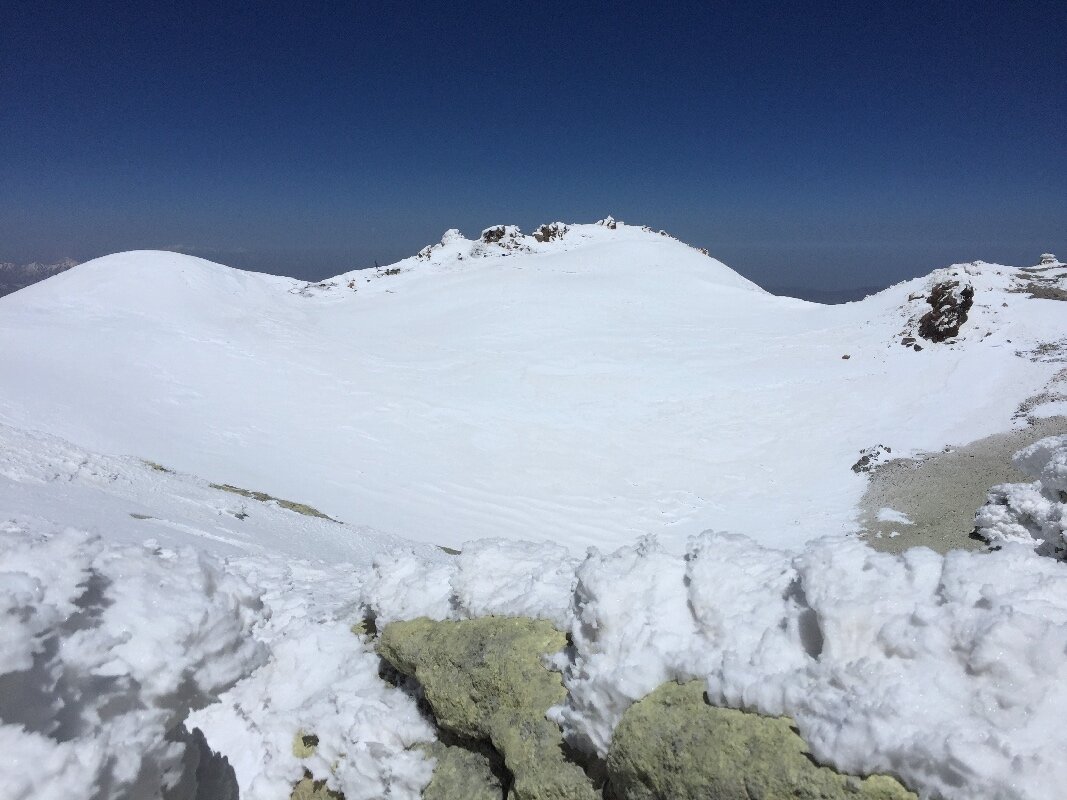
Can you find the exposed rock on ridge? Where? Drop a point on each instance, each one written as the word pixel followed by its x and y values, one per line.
pixel 951 301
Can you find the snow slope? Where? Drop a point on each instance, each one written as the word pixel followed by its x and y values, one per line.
pixel 17 276
pixel 946 671
pixel 579 390
pixel 603 384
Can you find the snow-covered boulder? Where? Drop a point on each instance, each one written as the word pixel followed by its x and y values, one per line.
pixel 1031 513
pixel 104 650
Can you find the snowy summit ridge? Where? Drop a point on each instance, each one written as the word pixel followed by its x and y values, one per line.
pixel 587 382
pixel 616 432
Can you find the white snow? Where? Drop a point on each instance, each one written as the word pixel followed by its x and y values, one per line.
pixel 105 648
pixel 586 390
pixel 1033 514
pixel 946 671
pixel 106 645
pixel 543 406
pixel 892 515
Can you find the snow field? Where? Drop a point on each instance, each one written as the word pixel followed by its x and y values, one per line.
pixel 946 671
pixel 590 389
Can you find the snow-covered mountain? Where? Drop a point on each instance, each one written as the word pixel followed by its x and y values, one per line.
pixel 18 276
pixel 214 483
pixel 586 384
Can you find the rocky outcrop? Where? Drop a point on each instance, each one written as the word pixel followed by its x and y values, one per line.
pixel 672 745
pixel 550 232
pixel 871 457
pixel 484 681
pixel 951 301
pixel 461 774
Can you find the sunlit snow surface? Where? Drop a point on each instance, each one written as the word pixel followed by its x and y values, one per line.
pixel 567 393
pixel 946 671
pixel 588 390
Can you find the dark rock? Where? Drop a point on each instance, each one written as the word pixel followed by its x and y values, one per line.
pixel 550 232
pixel 871 457
pixel 950 302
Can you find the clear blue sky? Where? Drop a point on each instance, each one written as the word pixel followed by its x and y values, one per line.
pixel 823 145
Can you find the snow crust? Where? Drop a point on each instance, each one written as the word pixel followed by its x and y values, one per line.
pixel 946 671
pixel 171 593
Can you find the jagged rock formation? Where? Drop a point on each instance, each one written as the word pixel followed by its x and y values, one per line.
pixel 951 301
pixel 484 680
pixel 550 232
pixel 673 746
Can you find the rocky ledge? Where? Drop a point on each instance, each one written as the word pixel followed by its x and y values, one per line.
pixel 486 686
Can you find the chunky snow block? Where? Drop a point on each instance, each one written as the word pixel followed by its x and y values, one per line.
pixel 673 745
pixel 484 680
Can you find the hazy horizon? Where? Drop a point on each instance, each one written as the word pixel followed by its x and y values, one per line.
pixel 802 145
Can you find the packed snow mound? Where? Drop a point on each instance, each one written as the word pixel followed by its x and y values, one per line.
pixel 131 596
pixel 944 671
pixel 146 282
pixel 1033 514
pixel 588 386
pixel 104 650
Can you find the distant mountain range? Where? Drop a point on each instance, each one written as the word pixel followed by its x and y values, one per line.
pixel 18 276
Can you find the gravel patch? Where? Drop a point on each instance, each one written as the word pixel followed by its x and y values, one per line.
pixel 940 492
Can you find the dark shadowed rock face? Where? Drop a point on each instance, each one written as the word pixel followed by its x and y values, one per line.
pixel 950 302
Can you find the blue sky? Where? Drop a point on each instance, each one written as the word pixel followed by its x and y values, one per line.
pixel 825 145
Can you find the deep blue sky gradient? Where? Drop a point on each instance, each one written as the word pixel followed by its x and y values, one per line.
pixel 826 145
